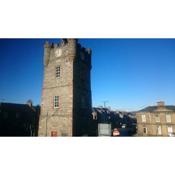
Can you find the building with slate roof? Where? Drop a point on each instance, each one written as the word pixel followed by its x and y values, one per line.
pixel 125 122
pixel 19 119
pixel 156 120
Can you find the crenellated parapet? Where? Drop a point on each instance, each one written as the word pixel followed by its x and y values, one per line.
pixel 67 48
pixel 47 49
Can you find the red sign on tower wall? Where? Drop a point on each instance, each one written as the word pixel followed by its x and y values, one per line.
pixel 54 134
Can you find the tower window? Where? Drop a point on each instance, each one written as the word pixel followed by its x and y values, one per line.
pixel 56 101
pixel 57 71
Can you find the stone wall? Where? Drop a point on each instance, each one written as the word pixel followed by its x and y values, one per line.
pixel 152 125
pixel 72 87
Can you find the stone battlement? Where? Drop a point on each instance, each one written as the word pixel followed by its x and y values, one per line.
pixel 63 43
pixel 70 47
pixel 67 42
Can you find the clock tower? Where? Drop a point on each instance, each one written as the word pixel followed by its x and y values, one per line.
pixel 66 93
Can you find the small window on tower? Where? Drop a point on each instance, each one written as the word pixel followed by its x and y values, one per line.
pixel 57 71
pixel 56 102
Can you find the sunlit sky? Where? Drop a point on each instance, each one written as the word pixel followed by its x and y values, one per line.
pixel 128 74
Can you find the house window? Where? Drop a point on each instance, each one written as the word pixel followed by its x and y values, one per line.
pixel 170 129
pixel 56 101
pixel 143 118
pixel 157 118
pixel 168 118
pixel 57 73
pixel 145 130
pixel 159 130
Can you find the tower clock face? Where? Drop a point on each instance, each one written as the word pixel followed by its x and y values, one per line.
pixel 58 52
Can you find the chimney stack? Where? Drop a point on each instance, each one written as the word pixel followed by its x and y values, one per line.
pixel 29 103
pixel 160 104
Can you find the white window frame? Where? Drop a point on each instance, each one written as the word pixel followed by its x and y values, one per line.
pixel 57 71
pixel 143 116
pixel 157 118
pixel 168 118
pixel 56 102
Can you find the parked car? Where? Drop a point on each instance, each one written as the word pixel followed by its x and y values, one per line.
pixel 171 134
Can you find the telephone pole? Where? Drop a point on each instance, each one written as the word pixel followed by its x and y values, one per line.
pixel 104 103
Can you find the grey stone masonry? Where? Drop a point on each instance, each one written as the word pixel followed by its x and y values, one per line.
pixel 66 94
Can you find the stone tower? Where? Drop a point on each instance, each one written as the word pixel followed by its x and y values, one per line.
pixel 66 95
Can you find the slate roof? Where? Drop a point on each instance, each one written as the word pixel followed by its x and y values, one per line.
pixel 18 119
pixel 17 108
pixel 106 115
pixel 153 108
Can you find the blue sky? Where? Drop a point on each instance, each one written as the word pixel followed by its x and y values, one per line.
pixel 128 73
